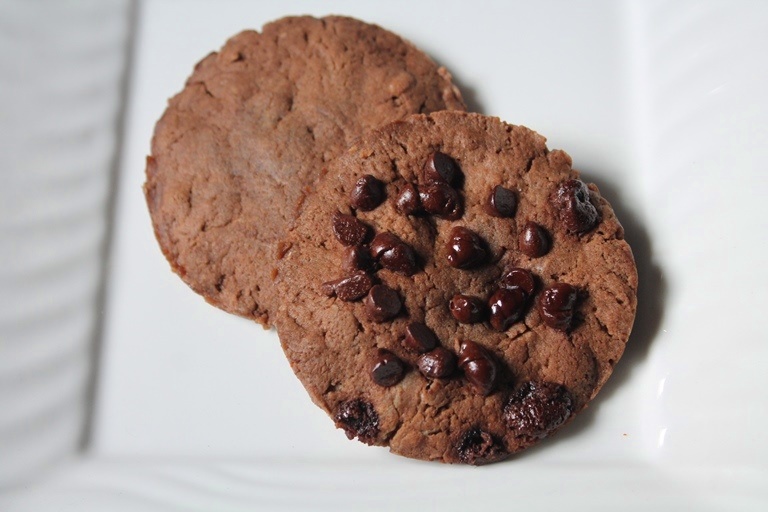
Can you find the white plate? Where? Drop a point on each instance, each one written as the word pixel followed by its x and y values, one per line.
pixel 662 104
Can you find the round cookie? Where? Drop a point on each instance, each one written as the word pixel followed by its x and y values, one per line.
pixel 453 290
pixel 239 147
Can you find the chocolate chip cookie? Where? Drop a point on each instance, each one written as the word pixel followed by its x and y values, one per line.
pixel 454 290
pixel 239 147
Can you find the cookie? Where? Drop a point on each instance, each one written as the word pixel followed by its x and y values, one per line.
pixel 453 290
pixel 239 147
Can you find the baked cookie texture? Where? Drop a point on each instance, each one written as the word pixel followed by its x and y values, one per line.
pixel 526 363
pixel 238 149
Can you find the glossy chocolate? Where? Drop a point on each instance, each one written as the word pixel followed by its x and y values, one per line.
pixel 466 309
pixel 465 248
pixel 367 194
pixel 557 305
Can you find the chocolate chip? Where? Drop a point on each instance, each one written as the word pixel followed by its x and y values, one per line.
pixel 502 202
pixel 356 258
pixel 438 363
pixel 367 194
pixel 518 278
pixel 408 201
pixel 387 369
pixel 466 309
pixel 441 200
pixel 465 248
pixel 575 210
pixel 440 168
pixel 399 258
pixel 349 230
pixel 479 367
pixel 419 338
pixel 383 242
pixel 382 303
pixel 537 408
pixel 359 419
pixel 478 447
pixel 394 254
pixel 557 305
pixel 507 306
pixel 350 288
pixel 534 240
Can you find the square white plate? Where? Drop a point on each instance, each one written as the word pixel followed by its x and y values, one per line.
pixel 662 104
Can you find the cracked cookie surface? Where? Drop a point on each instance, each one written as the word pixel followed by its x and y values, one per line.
pixel 441 379
pixel 239 147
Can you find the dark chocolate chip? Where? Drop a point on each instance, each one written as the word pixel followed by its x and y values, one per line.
pixel 507 306
pixel 534 240
pixel 394 254
pixel 537 408
pixel 349 230
pixel 466 309
pixel 557 305
pixel 367 194
pixel 350 288
pixel 400 258
pixel 478 447
pixel 387 369
pixel 518 278
pixel 419 338
pixel 465 248
pixel 438 363
pixel 479 367
pixel 574 208
pixel 441 168
pixel 382 303
pixel 408 202
pixel 356 258
pixel 502 202
pixel 383 242
pixel 441 200
pixel 359 419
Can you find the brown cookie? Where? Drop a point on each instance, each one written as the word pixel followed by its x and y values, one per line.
pixel 237 150
pixel 511 291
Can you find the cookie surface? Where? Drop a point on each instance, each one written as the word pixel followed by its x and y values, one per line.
pixel 455 326
pixel 240 145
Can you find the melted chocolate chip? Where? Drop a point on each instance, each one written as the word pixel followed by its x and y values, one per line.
pixel 394 254
pixel 359 419
pixel 382 303
pixel 438 363
pixel 557 305
pixel 356 258
pixel 534 240
pixel 350 288
pixel 479 367
pixel 518 278
pixel 465 248
pixel 502 202
pixel 387 369
pixel 441 168
pixel 349 230
pixel 408 201
pixel 419 338
pixel 367 194
pixel 478 447
pixel 574 208
pixel 466 309
pixel 507 306
pixel 537 408
pixel 399 258
pixel 383 242
pixel 441 200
